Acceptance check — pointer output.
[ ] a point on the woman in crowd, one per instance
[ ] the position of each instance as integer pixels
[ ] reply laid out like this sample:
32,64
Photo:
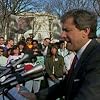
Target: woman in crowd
54,65
15,54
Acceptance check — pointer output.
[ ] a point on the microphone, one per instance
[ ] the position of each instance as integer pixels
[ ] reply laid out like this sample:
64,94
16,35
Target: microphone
5,72
35,70
31,74
20,60
12,81
8,70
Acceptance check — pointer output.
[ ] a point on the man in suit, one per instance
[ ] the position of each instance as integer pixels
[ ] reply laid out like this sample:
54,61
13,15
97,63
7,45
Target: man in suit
79,30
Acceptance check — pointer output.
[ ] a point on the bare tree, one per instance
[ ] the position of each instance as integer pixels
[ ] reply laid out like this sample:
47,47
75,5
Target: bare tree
59,7
12,7
96,6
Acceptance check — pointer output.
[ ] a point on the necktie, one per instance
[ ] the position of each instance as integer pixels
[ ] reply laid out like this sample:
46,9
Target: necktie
72,65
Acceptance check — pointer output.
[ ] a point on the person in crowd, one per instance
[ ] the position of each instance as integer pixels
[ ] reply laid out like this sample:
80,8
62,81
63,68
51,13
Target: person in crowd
29,44
38,60
62,48
83,82
15,54
21,44
54,65
68,59
3,59
8,44
35,44
8,52
2,41
67,55
29,84
45,46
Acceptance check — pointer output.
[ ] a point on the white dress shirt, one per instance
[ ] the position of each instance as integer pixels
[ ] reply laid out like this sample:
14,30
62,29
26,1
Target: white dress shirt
79,53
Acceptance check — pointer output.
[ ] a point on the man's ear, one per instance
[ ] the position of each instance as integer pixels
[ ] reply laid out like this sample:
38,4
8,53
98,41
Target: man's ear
86,32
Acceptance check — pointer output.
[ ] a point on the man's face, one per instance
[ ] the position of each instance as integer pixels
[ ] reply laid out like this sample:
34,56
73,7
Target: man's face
74,37
1,52
1,41
11,42
46,42
29,41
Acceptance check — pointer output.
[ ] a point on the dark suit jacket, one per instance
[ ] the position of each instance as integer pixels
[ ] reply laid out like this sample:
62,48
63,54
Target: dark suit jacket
84,83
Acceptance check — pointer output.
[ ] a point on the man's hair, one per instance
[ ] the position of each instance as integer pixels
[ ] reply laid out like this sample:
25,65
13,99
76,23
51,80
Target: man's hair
46,38
2,48
1,37
36,41
9,39
82,19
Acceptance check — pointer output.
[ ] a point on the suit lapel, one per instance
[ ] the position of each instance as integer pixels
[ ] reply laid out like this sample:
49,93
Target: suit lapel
83,59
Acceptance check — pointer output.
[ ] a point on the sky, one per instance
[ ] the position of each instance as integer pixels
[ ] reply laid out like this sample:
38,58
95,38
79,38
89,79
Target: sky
98,27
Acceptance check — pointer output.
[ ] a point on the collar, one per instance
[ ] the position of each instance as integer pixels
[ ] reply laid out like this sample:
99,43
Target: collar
79,53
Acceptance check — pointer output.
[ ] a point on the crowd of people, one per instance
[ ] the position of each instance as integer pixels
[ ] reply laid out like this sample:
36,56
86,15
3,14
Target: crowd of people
52,56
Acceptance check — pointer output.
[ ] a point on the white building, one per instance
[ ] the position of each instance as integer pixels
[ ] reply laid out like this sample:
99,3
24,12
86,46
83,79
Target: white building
40,25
